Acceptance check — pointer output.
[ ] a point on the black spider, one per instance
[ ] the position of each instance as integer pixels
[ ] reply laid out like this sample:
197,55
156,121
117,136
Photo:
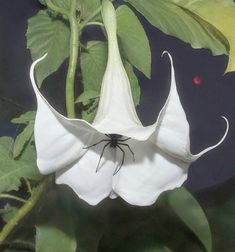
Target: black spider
114,141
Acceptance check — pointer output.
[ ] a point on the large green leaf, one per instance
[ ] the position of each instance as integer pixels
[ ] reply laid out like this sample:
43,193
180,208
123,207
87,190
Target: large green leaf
50,238
64,4
24,118
87,8
191,213
134,82
11,171
178,21
24,137
133,40
8,212
57,221
86,96
222,220
93,64
220,14
50,35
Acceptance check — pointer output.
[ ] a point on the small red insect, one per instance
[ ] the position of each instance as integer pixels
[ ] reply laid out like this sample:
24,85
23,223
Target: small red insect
197,80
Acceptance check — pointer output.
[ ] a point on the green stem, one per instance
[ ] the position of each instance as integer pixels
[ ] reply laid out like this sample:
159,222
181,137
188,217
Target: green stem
73,53
8,196
28,185
24,210
73,59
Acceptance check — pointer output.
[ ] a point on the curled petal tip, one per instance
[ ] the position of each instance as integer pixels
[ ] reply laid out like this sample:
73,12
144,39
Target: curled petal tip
164,52
195,157
41,58
168,54
36,62
33,67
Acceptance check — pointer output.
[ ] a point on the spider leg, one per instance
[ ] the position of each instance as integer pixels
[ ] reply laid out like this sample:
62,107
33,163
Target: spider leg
123,157
101,141
124,140
107,135
127,145
102,153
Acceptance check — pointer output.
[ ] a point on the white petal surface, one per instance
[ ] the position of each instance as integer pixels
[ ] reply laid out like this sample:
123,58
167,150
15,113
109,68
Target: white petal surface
140,182
172,132
59,141
82,177
116,112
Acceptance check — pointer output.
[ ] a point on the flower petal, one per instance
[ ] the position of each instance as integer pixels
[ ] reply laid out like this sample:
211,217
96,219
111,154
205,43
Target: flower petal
116,112
59,141
140,182
82,177
196,156
172,131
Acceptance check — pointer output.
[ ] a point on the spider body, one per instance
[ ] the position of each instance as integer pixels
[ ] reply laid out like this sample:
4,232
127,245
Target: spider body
115,141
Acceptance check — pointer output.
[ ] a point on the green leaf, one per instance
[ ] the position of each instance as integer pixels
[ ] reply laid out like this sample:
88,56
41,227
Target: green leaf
50,238
22,139
142,243
42,2
64,4
50,35
11,171
133,40
8,212
86,96
93,64
190,212
180,22
89,112
24,118
220,14
88,7
134,83
222,220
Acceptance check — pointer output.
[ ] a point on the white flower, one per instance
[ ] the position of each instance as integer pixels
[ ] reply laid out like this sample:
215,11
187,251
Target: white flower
161,151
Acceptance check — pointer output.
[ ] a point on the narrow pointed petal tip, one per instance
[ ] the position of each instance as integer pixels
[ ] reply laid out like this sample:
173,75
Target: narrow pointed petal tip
196,156
31,73
166,52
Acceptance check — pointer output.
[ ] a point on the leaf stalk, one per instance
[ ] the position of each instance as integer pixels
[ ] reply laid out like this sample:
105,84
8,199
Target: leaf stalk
73,59
9,196
24,210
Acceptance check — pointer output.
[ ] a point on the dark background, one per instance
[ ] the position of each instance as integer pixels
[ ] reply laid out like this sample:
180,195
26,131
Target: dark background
213,175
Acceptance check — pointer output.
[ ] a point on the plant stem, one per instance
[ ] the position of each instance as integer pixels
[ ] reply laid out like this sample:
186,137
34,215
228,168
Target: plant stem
24,210
28,186
8,196
74,47
73,53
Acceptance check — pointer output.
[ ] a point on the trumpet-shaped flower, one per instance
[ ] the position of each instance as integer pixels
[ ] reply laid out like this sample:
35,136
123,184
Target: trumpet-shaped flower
72,148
